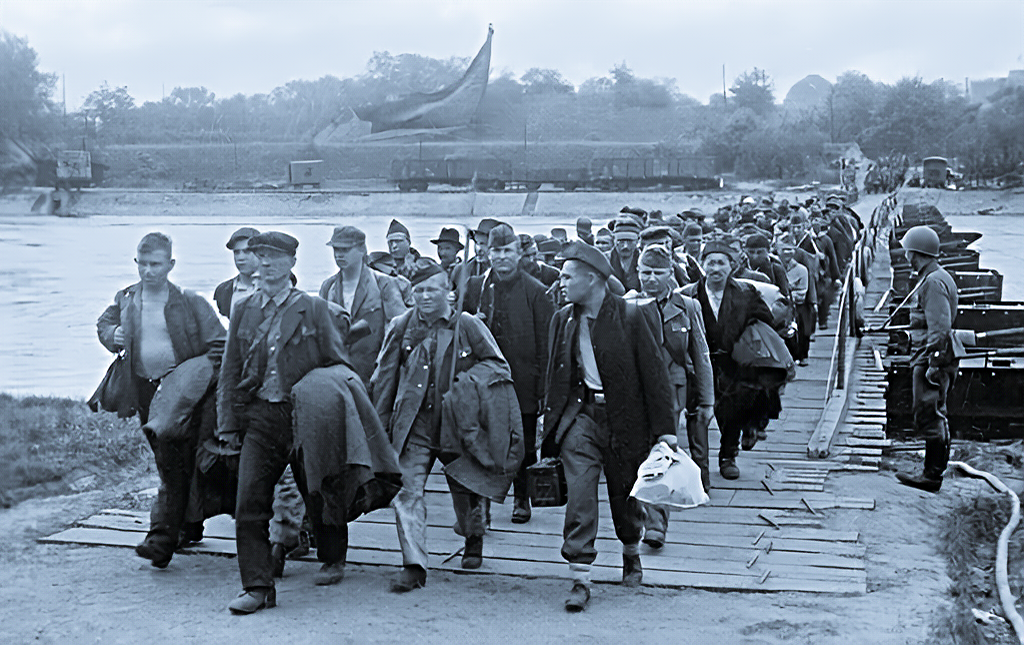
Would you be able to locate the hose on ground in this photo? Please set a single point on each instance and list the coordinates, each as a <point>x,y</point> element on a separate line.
<point>1002,580</point>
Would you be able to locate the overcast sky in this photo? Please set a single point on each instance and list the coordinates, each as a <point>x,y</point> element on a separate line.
<point>151,46</point>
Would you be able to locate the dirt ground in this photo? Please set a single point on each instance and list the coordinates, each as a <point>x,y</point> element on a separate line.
<point>61,594</point>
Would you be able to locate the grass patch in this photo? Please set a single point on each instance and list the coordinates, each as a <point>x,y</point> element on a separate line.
<point>47,439</point>
<point>969,542</point>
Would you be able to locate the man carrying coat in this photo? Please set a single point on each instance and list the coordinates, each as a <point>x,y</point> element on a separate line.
<point>277,336</point>
<point>608,402</point>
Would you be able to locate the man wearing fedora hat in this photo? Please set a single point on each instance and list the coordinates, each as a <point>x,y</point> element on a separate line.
<point>448,247</point>
<point>277,336</point>
<point>608,400</point>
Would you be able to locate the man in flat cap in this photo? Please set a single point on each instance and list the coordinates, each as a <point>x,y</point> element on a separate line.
<point>728,307</point>
<point>608,402</point>
<point>399,245</point>
<point>368,296</point>
<point>448,247</point>
<point>479,262</point>
<point>159,325</point>
<point>277,336</point>
<point>517,310</point>
<point>244,283</point>
<point>414,373</point>
<point>624,255</point>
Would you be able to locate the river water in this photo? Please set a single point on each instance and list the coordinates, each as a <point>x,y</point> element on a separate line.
<point>58,274</point>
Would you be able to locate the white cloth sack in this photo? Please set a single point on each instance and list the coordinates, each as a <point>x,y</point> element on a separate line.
<point>669,478</point>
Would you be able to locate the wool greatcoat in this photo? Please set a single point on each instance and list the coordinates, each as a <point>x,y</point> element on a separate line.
<point>377,300</point>
<point>638,394</point>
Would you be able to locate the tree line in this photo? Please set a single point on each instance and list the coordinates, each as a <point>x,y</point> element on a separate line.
<point>746,129</point>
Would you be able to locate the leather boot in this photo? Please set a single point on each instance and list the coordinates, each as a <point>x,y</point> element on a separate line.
<point>473,553</point>
<point>727,468</point>
<point>253,600</point>
<point>936,455</point>
<point>277,552</point>
<point>411,577</point>
<point>521,512</point>
<point>632,572</point>
<point>578,598</point>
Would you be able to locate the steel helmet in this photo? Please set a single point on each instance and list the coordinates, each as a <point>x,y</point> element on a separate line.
<point>922,239</point>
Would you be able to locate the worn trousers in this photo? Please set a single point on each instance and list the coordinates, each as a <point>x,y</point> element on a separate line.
<point>520,485</point>
<point>696,435</point>
<point>585,452</point>
<point>175,463</point>
<point>930,402</point>
<point>415,461</point>
<point>266,451</point>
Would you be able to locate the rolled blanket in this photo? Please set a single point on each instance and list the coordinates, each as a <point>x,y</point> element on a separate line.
<point>177,396</point>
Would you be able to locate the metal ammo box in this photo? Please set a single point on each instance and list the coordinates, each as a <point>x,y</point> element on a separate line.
<point>547,483</point>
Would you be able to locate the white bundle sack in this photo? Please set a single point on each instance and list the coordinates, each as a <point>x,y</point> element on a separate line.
<point>669,478</point>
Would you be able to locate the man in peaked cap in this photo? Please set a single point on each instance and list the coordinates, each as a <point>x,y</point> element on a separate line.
<point>269,349</point>
<point>399,245</point>
<point>608,401</point>
<point>371,299</point>
<point>517,310</point>
<point>246,263</point>
<point>448,247</point>
<point>624,255</point>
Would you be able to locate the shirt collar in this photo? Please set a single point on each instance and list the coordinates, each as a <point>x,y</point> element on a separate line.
<point>278,299</point>
<point>446,318</point>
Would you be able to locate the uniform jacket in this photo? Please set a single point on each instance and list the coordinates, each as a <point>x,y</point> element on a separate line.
<point>678,327</point>
<point>309,337</point>
<point>399,386</point>
<point>545,273</point>
<point>517,312</point>
<point>626,271</point>
<point>377,300</point>
<point>639,401</point>
<point>191,323</point>
<point>932,312</point>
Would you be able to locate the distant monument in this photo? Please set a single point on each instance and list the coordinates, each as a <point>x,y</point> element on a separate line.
<point>450,107</point>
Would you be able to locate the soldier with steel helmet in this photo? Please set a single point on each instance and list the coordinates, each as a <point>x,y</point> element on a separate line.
<point>936,353</point>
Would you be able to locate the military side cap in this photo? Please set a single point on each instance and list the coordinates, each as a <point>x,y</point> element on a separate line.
<point>425,269</point>
<point>397,228</point>
<point>449,235</point>
<point>347,236</point>
<point>588,255</point>
<point>501,235</point>
<point>274,240</point>
<point>244,233</point>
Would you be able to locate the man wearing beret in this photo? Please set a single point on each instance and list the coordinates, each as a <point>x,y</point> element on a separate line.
<point>414,371</point>
<point>608,402</point>
<point>404,255</point>
<point>728,307</point>
<point>624,255</point>
<point>517,310</point>
<point>679,330</point>
<point>277,336</point>
<point>369,297</point>
<point>246,263</point>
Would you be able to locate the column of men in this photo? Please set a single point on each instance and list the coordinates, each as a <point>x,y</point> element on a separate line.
<point>616,341</point>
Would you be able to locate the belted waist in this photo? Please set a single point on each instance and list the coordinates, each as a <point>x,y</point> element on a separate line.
<point>595,397</point>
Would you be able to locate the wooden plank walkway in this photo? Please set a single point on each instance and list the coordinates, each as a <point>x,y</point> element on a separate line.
<point>764,532</point>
